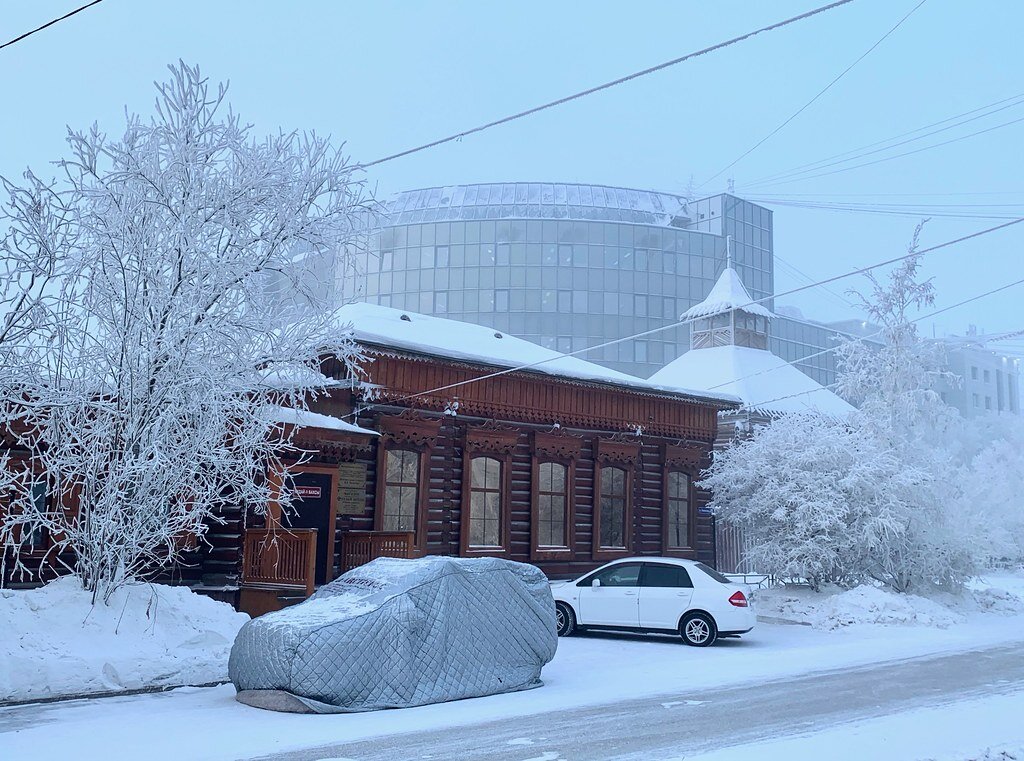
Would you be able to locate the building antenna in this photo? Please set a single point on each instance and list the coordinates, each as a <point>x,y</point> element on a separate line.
<point>728,251</point>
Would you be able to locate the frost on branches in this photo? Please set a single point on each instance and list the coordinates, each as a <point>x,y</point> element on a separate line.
<point>156,364</point>
<point>875,495</point>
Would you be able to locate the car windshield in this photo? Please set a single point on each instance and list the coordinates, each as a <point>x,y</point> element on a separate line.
<point>714,574</point>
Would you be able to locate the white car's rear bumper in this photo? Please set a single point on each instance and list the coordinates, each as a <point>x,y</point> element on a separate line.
<point>736,620</point>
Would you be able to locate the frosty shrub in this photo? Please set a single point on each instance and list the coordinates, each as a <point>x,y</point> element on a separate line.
<point>150,375</point>
<point>815,496</point>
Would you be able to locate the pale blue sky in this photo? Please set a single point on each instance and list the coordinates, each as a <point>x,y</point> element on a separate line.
<point>386,76</point>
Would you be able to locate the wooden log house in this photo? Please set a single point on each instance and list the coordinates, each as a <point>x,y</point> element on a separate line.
<point>564,464</point>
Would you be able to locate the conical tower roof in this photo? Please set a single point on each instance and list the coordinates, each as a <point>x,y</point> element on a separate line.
<point>727,295</point>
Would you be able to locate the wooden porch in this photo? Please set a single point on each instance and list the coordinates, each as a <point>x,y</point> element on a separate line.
<point>279,564</point>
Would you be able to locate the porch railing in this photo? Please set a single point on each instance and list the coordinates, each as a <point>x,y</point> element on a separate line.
<point>280,557</point>
<point>359,547</point>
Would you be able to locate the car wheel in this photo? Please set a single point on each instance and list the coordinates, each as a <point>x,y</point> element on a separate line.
<point>565,620</point>
<point>698,629</point>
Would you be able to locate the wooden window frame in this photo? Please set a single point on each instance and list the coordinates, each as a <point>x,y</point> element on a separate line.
<point>410,433</point>
<point>688,460</point>
<point>496,443</point>
<point>562,449</point>
<point>622,455</point>
<point>691,515</point>
<point>422,476</point>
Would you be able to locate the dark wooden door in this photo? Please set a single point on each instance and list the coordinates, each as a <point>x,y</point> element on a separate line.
<point>311,508</point>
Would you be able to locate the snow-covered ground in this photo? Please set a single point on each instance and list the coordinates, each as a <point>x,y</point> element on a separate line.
<point>982,729</point>
<point>54,642</point>
<point>588,670</point>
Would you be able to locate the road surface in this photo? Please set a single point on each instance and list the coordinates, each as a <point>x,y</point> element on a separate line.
<point>689,723</point>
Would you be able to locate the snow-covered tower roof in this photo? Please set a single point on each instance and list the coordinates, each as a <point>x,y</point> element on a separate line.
<point>729,353</point>
<point>727,294</point>
<point>728,316</point>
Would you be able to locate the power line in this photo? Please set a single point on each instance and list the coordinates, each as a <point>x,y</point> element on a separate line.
<point>990,211</point>
<point>817,95</point>
<point>855,153</point>
<point>895,156</point>
<point>607,85</point>
<point>50,23</point>
<point>679,323</point>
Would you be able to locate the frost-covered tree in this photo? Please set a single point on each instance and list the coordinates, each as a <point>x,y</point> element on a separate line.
<point>875,495</point>
<point>893,385</point>
<point>993,494</point>
<point>151,408</point>
<point>34,234</point>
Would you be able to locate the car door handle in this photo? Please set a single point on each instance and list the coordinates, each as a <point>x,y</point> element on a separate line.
<point>630,592</point>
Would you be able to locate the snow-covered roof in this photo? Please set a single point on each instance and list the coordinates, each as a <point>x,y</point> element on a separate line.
<point>727,294</point>
<point>286,376</point>
<point>762,380</point>
<point>307,419</point>
<point>435,336</point>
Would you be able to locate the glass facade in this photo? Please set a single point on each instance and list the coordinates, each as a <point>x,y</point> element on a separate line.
<point>565,266</point>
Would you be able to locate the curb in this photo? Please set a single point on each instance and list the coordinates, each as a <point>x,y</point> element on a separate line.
<point>108,694</point>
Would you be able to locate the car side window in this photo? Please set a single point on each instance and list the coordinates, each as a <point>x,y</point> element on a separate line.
<point>622,575</point>
<point>666,576</point>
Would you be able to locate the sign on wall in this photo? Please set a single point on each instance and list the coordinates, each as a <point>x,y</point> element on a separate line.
<point>308,492</point>
<point>351,488</point>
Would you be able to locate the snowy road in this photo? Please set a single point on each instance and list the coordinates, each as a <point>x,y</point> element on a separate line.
<point>672,726</point>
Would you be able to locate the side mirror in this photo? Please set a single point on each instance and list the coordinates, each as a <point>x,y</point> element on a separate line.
<point>596,583</point>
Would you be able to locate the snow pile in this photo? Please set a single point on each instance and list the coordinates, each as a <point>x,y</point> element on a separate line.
<point>995,600</point>
<point>55,642</point>
<point>861,605</point>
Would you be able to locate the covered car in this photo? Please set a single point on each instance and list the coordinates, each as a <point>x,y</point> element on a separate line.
<point>398,633</point>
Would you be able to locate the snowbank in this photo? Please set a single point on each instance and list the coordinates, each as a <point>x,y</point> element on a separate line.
<point>56,643</point>
<point>861,605</point>
<point>872,605</point>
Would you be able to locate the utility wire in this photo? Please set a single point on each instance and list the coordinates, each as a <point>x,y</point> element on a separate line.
<point>855,153</point>
<point>817,95</point>
<point>680,323</point>
<point>50,23</point>
<point>1011,212</point>
<point>895,156</point>
<point>607,85</point>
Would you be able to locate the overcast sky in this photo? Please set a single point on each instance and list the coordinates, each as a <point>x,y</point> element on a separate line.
<point>385,76</point>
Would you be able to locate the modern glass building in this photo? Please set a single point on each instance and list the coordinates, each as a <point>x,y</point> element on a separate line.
<point>574,266</point>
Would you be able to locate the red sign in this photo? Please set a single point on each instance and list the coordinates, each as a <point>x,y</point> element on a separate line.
<point>307,492</point>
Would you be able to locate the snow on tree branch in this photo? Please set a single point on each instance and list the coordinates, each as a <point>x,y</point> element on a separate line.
<point>168,339</point>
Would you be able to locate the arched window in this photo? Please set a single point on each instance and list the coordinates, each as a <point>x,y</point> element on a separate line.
<point>552,499</point>
<point>677,510</point>
<point>613,508</point>
<point>485,503</point>
<point>401,489</point>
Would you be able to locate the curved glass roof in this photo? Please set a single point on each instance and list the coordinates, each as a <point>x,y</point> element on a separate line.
<point>535,200</point>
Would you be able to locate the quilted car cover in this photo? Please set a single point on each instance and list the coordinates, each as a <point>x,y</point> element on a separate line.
<point>398,633</point>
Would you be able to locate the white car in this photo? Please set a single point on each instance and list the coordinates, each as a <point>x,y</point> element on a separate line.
<point>655,594</point>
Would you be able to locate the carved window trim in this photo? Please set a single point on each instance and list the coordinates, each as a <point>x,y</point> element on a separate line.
<point>493,441</point>
<point>623,455</point>
<point>688,460</point>
<point>561,449</point>
<point>408,433</point>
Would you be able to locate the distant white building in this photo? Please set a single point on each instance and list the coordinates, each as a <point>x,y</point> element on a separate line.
<point>989,381</point>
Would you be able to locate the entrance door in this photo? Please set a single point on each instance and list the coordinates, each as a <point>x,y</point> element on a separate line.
<point>311,508</point>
